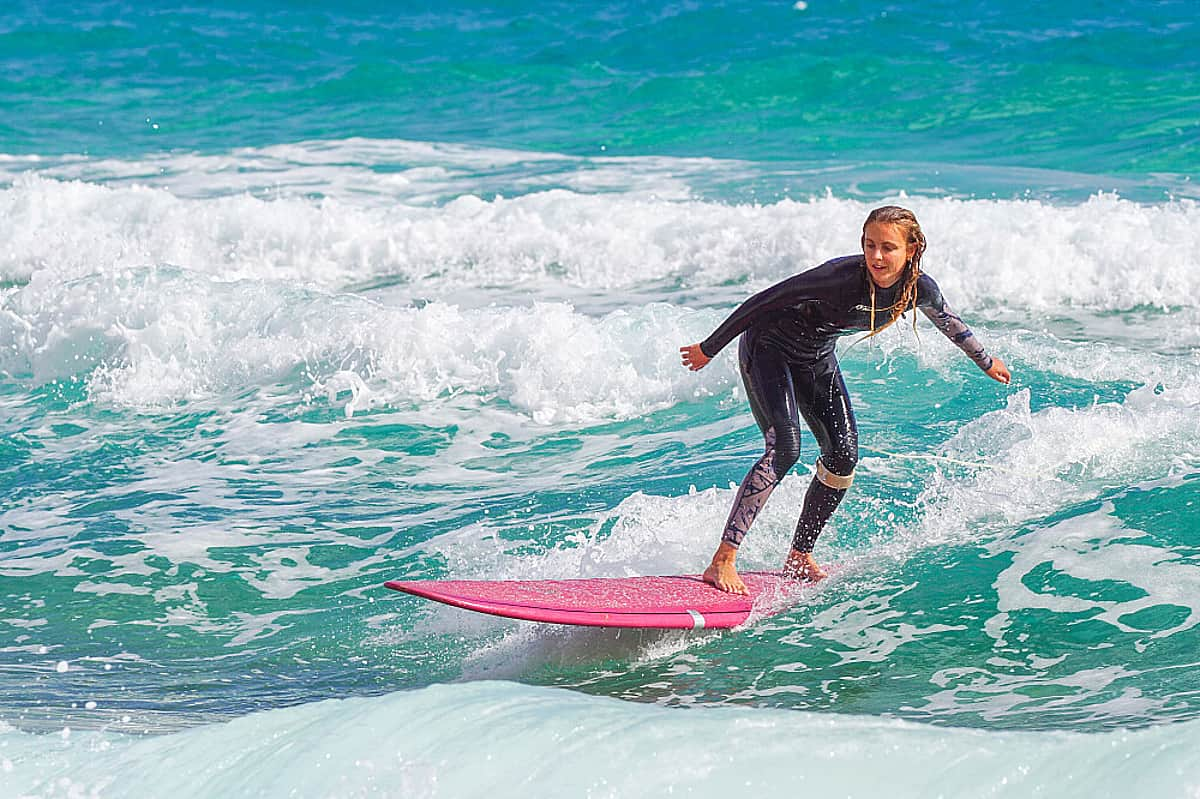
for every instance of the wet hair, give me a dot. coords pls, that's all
(906, 220)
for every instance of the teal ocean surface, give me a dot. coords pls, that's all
(296, 298)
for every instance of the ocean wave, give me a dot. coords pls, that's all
(152, 338)
(615, 225)
(381, 172)
(1040, 461)
(502, 739)
(155, 337)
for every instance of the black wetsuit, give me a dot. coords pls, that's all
(790, 369)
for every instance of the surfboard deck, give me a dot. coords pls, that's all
(665, 602)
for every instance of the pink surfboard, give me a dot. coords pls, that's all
(679, 602)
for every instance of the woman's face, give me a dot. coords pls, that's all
(886, 251)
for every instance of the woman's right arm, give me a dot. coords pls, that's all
(697, 356)
(825, 281)
(813, 284)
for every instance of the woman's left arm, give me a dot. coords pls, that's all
(955, 329)
(933, 305)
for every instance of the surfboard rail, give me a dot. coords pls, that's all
(658, 602)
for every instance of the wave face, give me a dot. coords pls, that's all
(524, 741)
(313, 298)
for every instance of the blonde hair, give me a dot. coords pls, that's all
(906, 220)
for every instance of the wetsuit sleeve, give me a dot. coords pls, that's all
(934, 306)
(819, 283)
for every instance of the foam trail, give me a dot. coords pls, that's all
(1044, 460)
(1094, 547)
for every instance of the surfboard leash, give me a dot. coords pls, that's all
(943, 459)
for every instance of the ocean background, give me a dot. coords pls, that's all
(299, 297)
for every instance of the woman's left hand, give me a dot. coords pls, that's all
(999, 371)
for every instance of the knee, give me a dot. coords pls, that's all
(787, 449)
(841, 459)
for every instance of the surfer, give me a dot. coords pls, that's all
(789, 366)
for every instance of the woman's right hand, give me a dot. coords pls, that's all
(694, 357)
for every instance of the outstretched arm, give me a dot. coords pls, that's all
(778, 296)
(828, 279)
(955, 329)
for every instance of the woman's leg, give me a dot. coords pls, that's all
(825, 405)
(768, 382)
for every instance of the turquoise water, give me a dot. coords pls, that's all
(298, 298)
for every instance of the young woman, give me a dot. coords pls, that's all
(786, 353)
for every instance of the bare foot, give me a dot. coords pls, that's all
(722, 573)
(802, 566)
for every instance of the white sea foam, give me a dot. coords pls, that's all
(1056, 457)
(152, 338)
(555, 237)
(500, 739)
(573, 224)
(381, 171)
